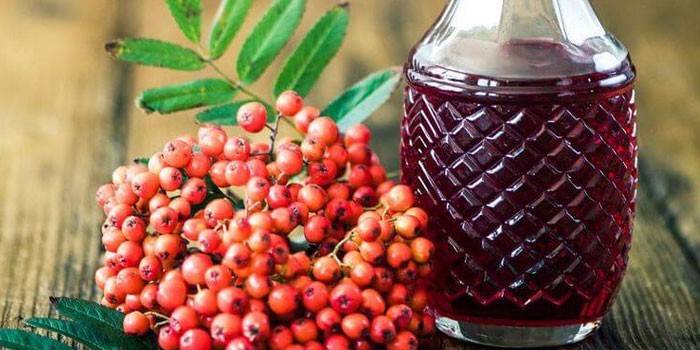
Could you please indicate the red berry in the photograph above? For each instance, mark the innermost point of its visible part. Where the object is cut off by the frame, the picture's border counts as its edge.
(257, 188)
(170, 178)
(129, 281)
(326, 269)
(252, 117)
(209, 241)
(279, 196)
(204, 302)
(168, 339)
(256, 326)
(195, 339)
(317, 229)
(232, 300)
(134, 229)
(382, 330)
(313, 196)
(362, 274)
(237, 173)
(369, 229)
(400, 314)
(177, 153)
(398, 254)
(257, 286)
(217, 277)
(345, 298)
(217, 210)
(315, 296)
(199, 165)
(217, 172)
(289, 162)
(304, 330)
(360, 153)
(355, 326)
(212, 141)
(237, 148)
(194, 190)
(324, 129)
(136, 323)
(283, 299)
(289, 103)
(240, 343)
(358, 133)
(171, 294)
(183, 318)
(129, 254)
(422, 250)
(328, 320)
(372, 303)
(168, 247)
(404, 340)
(304, 117)
(400, 198)
(224, 328)
(194, 267)
(280, 338)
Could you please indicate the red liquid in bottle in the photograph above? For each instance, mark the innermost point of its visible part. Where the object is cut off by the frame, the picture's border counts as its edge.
(530, 186)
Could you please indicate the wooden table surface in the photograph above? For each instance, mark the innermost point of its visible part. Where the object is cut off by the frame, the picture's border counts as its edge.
(67, 119)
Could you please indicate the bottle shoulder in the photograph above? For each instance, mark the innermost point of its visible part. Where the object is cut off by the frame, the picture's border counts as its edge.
(469, 81)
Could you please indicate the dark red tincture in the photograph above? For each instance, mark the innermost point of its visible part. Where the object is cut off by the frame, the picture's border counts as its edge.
(531, 196)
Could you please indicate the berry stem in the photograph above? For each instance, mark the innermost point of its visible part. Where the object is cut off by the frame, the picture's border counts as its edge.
(273, 136)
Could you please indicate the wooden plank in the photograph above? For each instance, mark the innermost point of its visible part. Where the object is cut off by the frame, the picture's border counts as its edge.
(56, 145)
(661, 36)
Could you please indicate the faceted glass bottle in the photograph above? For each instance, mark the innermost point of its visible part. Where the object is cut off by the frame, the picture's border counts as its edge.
(519, 138)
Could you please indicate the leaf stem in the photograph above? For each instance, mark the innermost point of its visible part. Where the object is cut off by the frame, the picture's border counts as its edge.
(235, 84)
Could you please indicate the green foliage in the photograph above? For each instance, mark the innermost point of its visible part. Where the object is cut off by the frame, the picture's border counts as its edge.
(188, 16)
(88, 323)
(224, 114)
(151, 52)
(361, 100)
(197, 93)
(228, 20)
(81, 332)
(268, 37)
(303, 68)
(88, 311)
(23, 340)
(300, 71)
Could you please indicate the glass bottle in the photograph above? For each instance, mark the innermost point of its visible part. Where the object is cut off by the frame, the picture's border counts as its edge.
(519, 138)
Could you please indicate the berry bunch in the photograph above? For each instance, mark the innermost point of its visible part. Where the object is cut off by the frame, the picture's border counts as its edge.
(207, 269)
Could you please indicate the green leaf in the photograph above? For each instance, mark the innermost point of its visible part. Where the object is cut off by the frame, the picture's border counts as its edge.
(23, 340)
(224, 114)
(87, 311)
(303, 68)
(268, 37)
(228, 20)
(87, 335)
(197, 93)
(297, 240)
(141, 160)
(188, 15)
(156, 53)
(362, 99)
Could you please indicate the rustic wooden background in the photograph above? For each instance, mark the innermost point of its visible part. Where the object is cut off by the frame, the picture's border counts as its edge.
(67, 119)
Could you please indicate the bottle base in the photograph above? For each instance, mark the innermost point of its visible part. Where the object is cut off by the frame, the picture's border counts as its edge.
(515, 337)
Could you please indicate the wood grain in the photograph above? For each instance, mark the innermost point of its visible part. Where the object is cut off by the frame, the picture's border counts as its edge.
(60, 136)
(67, 120)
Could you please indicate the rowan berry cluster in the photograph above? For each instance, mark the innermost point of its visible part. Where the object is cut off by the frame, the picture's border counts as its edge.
(200, 243)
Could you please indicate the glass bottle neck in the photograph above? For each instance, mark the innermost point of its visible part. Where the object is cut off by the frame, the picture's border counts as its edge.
(518, 43)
